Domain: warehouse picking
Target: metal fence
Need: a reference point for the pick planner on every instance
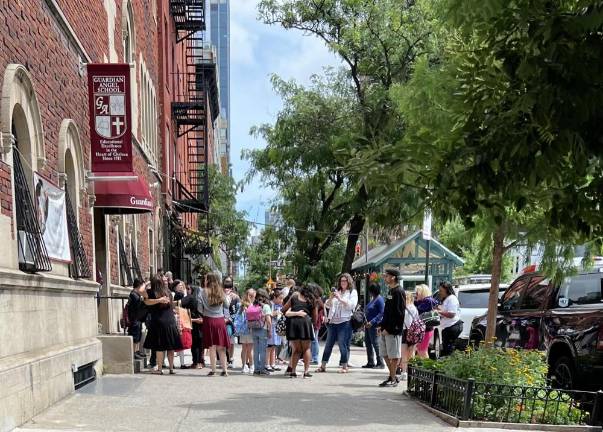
(471, 400)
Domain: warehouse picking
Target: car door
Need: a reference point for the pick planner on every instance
(528, 318)
(510, 304)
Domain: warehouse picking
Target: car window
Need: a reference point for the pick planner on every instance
(511, 299)
(535, 296)
(475, 298)
(581, 289)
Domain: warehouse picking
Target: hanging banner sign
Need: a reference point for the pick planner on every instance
(51, 212)
(427, 225)
(110, 117)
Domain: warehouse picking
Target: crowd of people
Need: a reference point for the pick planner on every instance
(280, 327)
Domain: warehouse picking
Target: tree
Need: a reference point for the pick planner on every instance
(507, 124)
(378, 43)
(227, 226)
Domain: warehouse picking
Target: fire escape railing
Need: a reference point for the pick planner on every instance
(189, 17)
(32, 253)
(79, 267)
(124, 266)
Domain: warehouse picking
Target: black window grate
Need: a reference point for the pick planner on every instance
(33, 256)
(124, 266)
(84, 375)
(79, 267)
(136, 265)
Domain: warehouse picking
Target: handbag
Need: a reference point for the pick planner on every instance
(186, 338)
(281, 325)
(358, 319)
(184, 318)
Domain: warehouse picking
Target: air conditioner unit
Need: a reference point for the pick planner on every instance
(26, 256)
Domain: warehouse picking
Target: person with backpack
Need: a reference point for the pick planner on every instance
(426, 306)
(242, 330)
(259, 321)
(213, 301)
(374, 315)
(392, 326)
(135, 311)
(414, 332)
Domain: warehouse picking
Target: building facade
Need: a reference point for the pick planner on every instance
(73, 237)
(220, 38)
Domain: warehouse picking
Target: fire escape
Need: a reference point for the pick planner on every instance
(197, 92)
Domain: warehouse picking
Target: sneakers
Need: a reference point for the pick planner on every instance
(404, 376)
(245, 369)
(388, 383)
(368, 366)
(251, 370)
(230, 365)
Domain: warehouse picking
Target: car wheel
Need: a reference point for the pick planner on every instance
(437, 347)
(563, 374)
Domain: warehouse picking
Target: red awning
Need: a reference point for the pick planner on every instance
(122, 196)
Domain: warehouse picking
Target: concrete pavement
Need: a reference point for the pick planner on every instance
(191, 401)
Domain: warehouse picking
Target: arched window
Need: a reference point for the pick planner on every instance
(71, 163)
(128, 31)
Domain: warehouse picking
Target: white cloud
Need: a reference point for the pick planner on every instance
(242, 44)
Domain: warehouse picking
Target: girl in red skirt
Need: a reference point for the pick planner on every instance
(213, 301)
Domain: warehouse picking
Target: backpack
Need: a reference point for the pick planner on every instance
(254, 318)
(124, 321)
(240, 323)
(415, 332)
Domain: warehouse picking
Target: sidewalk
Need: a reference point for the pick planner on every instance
(191, 401)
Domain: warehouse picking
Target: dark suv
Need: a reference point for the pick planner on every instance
(565, 320)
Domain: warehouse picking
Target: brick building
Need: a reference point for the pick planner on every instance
(50, 306)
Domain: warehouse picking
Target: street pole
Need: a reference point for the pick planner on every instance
(427, 250)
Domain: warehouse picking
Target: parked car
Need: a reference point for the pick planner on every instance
(565, 320)
(473, 300)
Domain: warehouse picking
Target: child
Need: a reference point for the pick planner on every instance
(276, 299)
(245, 338)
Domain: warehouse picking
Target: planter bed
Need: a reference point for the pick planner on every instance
(469, 401)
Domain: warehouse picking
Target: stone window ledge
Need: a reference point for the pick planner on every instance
(15, 279)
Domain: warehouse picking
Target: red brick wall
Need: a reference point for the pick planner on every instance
(32, 37)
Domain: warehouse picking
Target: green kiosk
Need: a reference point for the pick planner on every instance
(408, 256)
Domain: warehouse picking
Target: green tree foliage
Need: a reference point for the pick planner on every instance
(272, 245)
(227, 226)
(378, 43)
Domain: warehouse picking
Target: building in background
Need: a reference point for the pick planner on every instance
(220, 38)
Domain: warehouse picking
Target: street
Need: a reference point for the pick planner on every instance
(191, 401)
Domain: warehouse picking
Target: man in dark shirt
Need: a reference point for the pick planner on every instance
(392, 326)
(135, 315)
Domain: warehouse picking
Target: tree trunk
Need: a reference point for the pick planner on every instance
(498, 252)
(356, 227)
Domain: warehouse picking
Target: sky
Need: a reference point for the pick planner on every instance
(256, 52)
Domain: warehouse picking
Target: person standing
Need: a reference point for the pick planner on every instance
(275, 340)
(374, 315)
(163, 331)
(318, 322)
(408, 349)
(234, 301)
(136, 314)
(301, 309)
(242, 329)
(425, 303)
(260, 330)
(341, 305)
(450, 321)
(392, 326)
(191, 302)
(213, 301)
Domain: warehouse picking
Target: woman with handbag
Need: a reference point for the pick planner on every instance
(426, 306)
(341, 305)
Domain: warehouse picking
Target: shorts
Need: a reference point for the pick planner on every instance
(135, 330)
(390, 346)
(246, 339)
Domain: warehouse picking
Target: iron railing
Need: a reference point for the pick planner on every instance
(33, 256)
(79, 267)
(124, 266)
(471, 400)
(135, 265)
